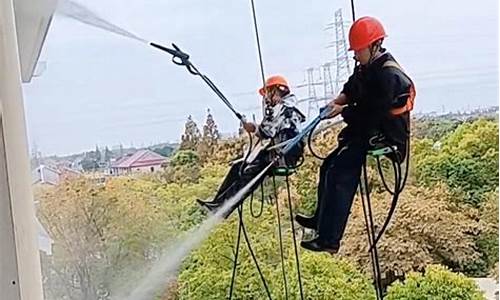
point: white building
(45, 175)
(23, 26)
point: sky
(104, 89)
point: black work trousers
(237, 178)
(339, 178)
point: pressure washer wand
(182, 59)
(324, 114)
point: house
(68, 173)
(140, 161)
(45, 175)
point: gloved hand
(331, 110)
(249, 127)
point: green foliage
(305, 183)
(89, 164)
(185, 158)
(209, 138)
(426, 228)
(207, 272)
(467, 160)
(164, 151)
(100, 232)
(487, 240)
(112, 230)
(107, 154)
(438, 283)
(184, 168)
(434, 129)
(191, 137)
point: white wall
(20, 277)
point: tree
(206, 274)
(433, 128)
(185, 158)
(191, 137)
(89, 163)
(107, 154)
(165, 150)
(487, 240)
(100, 232)
(467, 161)
(184, 167)
(426, 228)
(98, 155)
(209, 139)
(437, 283)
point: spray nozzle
(176, 52)
(178, 57)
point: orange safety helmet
(364, 32)
(276, 80)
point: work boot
(208, 206)
(306, 222)
(318, 245)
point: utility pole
(20, 276)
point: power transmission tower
(343, 68)
(331, 84)
(311, 91)
(328, 88)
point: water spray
(80, 13)
(76, 11)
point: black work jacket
(372, 91)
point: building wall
(147, 169)
(143, 169)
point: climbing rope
(368, 214)
(370, 229)
(280, 236)
(241, 228)
(297, 261)
(395, 197)
(311, 135)
(261, 209)
(235, 261)
(257, 38)
(352, 11)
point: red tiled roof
(141, 158)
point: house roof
(141, 158)
(45, 174)
(66, 170)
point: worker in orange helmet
(282, 121)
(375, 103)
